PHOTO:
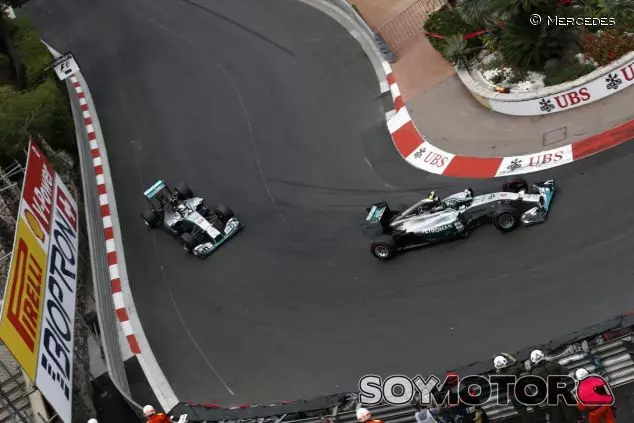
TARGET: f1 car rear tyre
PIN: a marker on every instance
(151, 218)
(188, 241)
(223, 212)
(515, 185)
(183, 191)
(506, 220)
(383, 247)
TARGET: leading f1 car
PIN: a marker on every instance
(201, 230)
(432, 220)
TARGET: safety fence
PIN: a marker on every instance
(606, 349)
(402, 28)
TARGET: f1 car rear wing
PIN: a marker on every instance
(377, 220)
(154, 189)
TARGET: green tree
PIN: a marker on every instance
(476, 12)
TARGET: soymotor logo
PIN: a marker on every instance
(476, 390)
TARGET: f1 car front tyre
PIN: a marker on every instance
(188, 241)
(223, 212)
(506, 220)
(515, 185)
(151, 218)
(383, 247)
(183, 192)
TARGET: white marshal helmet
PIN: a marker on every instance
(537, 356)
(93, 421)
(148, 411)
(500, 362)
(581, 373)
(363, 415)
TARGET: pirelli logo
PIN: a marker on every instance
(25, 300)
(21, 320)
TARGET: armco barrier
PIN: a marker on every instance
(606, 348)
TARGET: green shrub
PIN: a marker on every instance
(567, 72)
(33, 54)
(42, 111)
(447, 22)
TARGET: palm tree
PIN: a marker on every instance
(476, 12)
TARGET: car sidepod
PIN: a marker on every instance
(232, 227)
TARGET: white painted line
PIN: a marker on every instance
(103, 199)
(73, 79)
(398, 120)
(110, 246)
(117, 298)
(100, 179)
(79, 90)
(107, 222)
(85, 114)
(114, 271)
(94, 145)
(127, 328)
(96, 161)
(82, 100)
(90, 128)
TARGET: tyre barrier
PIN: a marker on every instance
(606, 349)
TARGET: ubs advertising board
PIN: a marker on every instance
(38, 311)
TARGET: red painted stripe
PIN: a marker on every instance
(92, 136)
(81, 95)
(407, 139)
(101, 189)
(99, 170)
(134, 345)
(391, 79)
(108, 233)
(473, 167)
(122, 314)
(88, 121)
(76, 84)
(112, 258)
(115, 284)
(603, 141)
(105, 211)
(399, 103)
(84, 107)
(95, 153)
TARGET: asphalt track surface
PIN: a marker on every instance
(271, 107)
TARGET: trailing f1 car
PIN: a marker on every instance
(432, 220)
(201, 230)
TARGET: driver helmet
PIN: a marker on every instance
(500, 362)
(181, 209)
(537, 356)
(581, 374)
(432, 196)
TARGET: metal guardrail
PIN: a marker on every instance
(347, 8)
(108, 322)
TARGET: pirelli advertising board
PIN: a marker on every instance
(38, 310)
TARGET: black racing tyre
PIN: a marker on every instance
(151, 218)
(188, 242)
(223, 212)
(515, 185)
(183, 191)
(383, 247)
(506, 220)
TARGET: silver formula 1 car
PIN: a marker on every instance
(201, 230)
(432, 220)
